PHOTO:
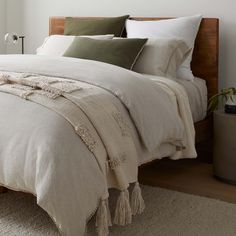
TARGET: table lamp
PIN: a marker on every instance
(13, 38)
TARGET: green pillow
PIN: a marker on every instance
(111, 25)
(120, 52)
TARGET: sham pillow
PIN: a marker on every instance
(162, 57)
(119, 52)
(56, 45)
(110, 25)
(185, 28)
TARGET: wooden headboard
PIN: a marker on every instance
(206, 51)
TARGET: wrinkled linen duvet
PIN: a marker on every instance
(70, 129)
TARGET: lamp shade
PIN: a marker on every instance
(11, 38)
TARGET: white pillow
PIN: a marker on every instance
(185, 28)
(162, 57)
(56, 45)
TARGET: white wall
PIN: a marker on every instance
(36, 14)
(14, 22)
(2, 25)
(10, 21)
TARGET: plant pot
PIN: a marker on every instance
(230, 105)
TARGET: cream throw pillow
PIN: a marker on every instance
(56, 45)
(162, 57)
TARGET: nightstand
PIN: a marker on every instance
(224, 162)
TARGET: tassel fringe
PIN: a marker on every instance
(137, 202)
(125, 209)
(123, 213)
(103, 218)
(108, 213)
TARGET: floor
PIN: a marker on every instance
(167, 211)
(189, 176)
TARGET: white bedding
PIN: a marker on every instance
(197, 95)
(40, 152)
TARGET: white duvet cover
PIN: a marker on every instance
(40, 152)
(197, 95)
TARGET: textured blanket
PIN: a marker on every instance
(108, 109)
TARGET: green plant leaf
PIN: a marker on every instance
(222, 96)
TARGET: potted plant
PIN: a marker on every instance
(226, 98)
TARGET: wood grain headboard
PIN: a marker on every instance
(206, 51)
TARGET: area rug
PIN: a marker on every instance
(168, 213)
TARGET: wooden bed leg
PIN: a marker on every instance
(2, 189)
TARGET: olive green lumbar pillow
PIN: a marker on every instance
(111, 25)
(119, 52)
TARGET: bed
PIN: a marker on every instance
(204, 65)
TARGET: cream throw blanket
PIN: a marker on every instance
(96, 116)
(82, 92)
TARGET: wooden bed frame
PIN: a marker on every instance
(204, 65)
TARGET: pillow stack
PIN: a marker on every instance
(123, 53)
(91, 39)
(161, 48)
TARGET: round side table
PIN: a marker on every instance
(224, 162)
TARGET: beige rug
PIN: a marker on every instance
(168, 213)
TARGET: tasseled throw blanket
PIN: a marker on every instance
(102, 125)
